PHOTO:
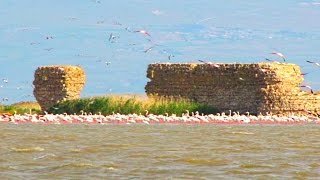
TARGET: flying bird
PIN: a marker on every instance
(113, 38)
(170, 56)
(148, 49)
(279, 54)
(272, 60)
(143, 32)
(210, 63)
(315, 63)
(5, 80)
(48, 49)
(300, 74)
(305, 86)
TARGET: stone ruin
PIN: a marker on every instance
(255, 88)
(53, 84)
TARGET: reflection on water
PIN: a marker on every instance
(159, 151)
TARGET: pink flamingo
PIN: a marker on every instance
(143, 32)
(308, 88)
(279, 54)
(315, 63)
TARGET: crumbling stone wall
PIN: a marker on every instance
(53, 84)
(255, 88)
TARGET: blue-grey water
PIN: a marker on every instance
(159, 152)
(46, 32)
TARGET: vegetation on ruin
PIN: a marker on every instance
(128, 105)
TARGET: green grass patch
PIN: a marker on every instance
(21, 108)
(107, 105)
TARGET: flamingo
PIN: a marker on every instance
(210, 63)
(279, 54)
(143, 32)
(315, 63)
(308, 88)
(272, 60)
(149, 48)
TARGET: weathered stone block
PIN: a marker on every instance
(257, 88)
(53, 84)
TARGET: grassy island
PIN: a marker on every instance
(107, 105)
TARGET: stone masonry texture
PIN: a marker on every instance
(53, 84)
(256, 88)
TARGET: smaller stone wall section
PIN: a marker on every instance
(56, 83)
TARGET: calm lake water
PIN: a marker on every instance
(159, 151)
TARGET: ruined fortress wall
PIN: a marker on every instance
(257, 88)
(53, 84)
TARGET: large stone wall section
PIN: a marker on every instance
(53, 84)
(255, 88)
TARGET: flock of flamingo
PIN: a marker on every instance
(186, 118)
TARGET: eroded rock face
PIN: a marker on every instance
(53, 84)
(257, 88)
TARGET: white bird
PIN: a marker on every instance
(5, 80)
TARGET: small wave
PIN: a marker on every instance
(44, 156)
(245, 133)
(111, 166)
(27, 150)
(72, 165)
(204, 162)
(75, 150)
(80, 165)
(254, 166)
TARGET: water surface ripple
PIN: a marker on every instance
(159, 151)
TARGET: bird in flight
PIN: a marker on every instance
(170, 56)
(279, 54)
(143, 32)
(272, 60)
(148, 49)
(48, 49)
(210, 63)
(315, 63)
(305, 86)
(5, 80)
(300, 74)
